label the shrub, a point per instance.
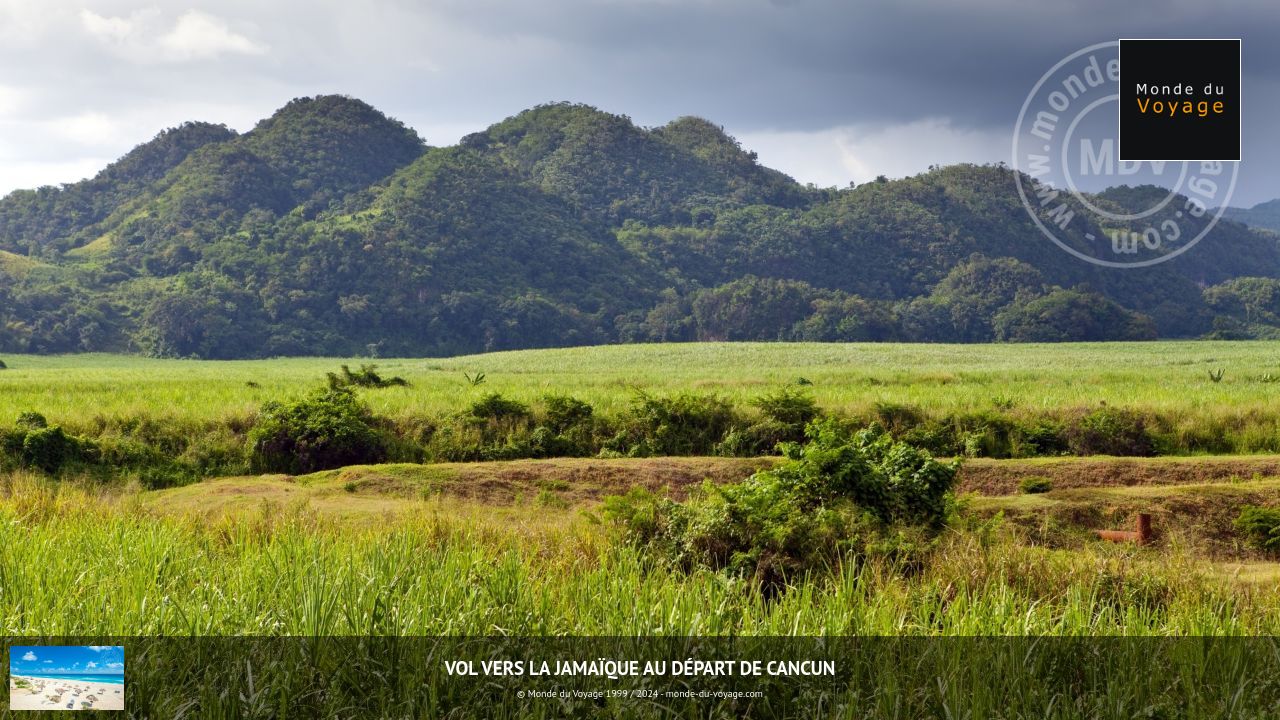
(11, 446)
(837, 493)
(366, 376)
(785, 415)
(760, 438)
(1260, 527)
(32, 420)
(1109, 431)
(495, 407)
(788, 406)
(898, 417)
(984, 434)
(49, 448)
(565, 413)
(327, 429)
(936, 436)
(492, 428)
(503, 435)
(684, 424)
(544, 442)
(34, 443)
(1035, 484)
(1043, 436)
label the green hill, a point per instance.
(330, 228)
(31, 220)
(1263, 215)
(606, 167)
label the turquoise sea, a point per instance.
(87, 677)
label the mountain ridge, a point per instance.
(1264, 215)
(330, 228)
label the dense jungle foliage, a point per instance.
(332, 229)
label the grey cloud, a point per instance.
(753, 65)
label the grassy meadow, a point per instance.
(520, 547)
(166, 564)
(987, 621)
(1169, 377)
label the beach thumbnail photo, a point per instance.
(66, 677)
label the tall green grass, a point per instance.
(1167, 376)
(75, 562)
(198, 411)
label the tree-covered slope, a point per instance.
(308, 156)
(331, 229)
(608, 168)
(455, 252)
(31, 220)
(1263, 215)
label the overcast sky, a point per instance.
(828, 91)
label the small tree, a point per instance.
(835, 494)
(328, 429)
(1261, 527)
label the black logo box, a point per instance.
(1180, 62)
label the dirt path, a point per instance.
(1001, 477)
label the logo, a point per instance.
(1101, 209)
(1180, 99)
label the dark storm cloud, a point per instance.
(810, 65)
(85, 80)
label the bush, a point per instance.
(166, 475)
(366, 377)
(1260, 527)
(495, 407)
(789, 407)
(495, 428)
(33, 443)
(11, 446)
(837, 493)
(786, 413)
(684, 424)
(898, 417)
(760, 438)
(46, 448)
(1035, 484)
(565, 413)
(1043, 436)
(492, 428)
(50, 448)
(936, 436)
(985, 434)
(541, 442)
(575, 427)
(328, 429)
(32, 420)
(1109, 431)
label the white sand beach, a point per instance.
(38, 693)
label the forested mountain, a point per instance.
(1263, 215)
(331, 229)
